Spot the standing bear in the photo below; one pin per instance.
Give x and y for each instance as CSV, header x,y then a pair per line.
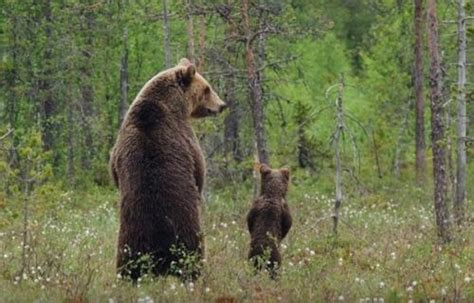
x,y
269,219
159,168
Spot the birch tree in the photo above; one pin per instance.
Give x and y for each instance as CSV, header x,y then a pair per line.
x,y
460,196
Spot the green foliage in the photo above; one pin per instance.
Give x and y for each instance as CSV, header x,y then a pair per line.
x,y
386,247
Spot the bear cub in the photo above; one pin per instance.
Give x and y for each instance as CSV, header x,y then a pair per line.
x,y
269,220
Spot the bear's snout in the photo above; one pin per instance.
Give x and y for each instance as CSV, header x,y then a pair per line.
x,y
222,107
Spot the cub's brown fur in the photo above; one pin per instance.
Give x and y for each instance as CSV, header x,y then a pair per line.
x,y
269,220
159,168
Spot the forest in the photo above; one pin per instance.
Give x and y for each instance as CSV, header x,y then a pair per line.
x,y
368,103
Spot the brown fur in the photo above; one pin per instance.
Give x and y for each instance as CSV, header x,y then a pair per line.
x,y
159,168
269,219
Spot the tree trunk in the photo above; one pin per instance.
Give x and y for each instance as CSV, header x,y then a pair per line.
x,y
25,240
305,158
450,169
11,107
71,169
398,144
202,42
124,78
437,127
47,106
190,30
166,30
419,96
376,155
232,120
254,87
337,136
459,200
87,92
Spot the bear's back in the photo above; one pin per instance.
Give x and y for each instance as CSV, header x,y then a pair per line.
x,y
267,219
155,170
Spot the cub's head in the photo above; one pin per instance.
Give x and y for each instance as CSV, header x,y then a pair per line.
x,y
274,181
201,98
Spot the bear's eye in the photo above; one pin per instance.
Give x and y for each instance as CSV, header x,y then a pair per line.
x,y
207,90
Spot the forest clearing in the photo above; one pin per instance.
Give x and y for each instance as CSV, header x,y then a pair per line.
x,y
116,152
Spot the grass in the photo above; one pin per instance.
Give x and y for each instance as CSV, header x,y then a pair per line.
x,y
386,251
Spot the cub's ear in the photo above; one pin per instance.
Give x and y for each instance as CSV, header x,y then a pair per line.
x,y
185,75
286,173
265,169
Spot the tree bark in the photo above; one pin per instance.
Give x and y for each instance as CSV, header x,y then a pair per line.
x,y
71,168
25,241
255,87
11,108
437,128
419,96
166,30
232,120
305,156
398,144
190,30
450,169
337,136
459,200
376,155
87,91
47,106
202,42
124,78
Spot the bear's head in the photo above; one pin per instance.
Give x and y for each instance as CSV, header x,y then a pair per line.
x,y
202,100
274,181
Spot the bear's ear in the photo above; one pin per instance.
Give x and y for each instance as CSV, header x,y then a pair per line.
x,y
184,61
264,169
285,173
186,74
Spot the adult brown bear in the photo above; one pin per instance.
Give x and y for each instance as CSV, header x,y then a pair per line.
x,y
159,168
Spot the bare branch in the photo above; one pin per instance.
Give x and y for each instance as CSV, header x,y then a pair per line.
x,y
6,135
